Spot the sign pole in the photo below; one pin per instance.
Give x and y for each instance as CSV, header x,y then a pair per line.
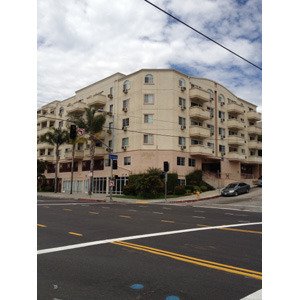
x,y
166,180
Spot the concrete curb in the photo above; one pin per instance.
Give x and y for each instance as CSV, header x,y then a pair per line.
x,y
193,200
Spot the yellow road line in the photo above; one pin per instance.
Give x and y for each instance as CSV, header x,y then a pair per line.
x,y
195,261
234,229
67,209
167,221
41,225
93,212
122,216
75,233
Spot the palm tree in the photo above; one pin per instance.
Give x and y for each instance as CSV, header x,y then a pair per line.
x,y
74,142
93,125
55,137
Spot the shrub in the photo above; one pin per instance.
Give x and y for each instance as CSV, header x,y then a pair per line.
x,y
172,182
179,190
203,188
194,178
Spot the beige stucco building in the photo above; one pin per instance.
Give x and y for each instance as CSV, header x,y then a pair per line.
x,y
157,115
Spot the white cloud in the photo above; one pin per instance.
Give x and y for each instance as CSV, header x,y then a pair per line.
x,y
80,42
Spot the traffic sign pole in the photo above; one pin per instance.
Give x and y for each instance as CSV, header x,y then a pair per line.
x,y
166,180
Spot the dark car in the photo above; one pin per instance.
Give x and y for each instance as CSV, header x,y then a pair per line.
x,y
259,181
234,189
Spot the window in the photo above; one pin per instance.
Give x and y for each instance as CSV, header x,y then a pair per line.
x,y
149,99
125,142
51,124
61,111
212,129
222,148
181,82
211,112
80,146
126,85
50,152
192,162
149,79
125,122
182,102
196,123
243,151
211,93
60,124
181,181
210,145
111,90
181,141
125,103
148,139
222,132
221,114
111,107
110,144
181,121
110,125
148,118
180,161
107,162
127,161
196,142
52,111
233,149
221,99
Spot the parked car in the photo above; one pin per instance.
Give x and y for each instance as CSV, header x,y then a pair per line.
x,y
259,181
234,189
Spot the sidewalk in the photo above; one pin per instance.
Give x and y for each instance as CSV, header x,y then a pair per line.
x,y
105,198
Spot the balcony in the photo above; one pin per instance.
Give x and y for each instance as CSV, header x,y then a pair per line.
x,y
96,101
254,145
235,124
234,156
253,115
76,109
254,159
42,131
235,140
78,155
47,157
199,113
201,150
201,95
235,108
44,146
254,129
200,132
99,152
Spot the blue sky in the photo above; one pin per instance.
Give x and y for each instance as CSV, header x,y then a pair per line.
x,y
80,42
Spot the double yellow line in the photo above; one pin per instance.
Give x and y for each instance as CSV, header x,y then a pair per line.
x,y
194,261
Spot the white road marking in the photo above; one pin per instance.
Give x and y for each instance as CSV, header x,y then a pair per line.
x,y
235,209
135,237
132,210
157,212
255,296
167,208
198,217
201,211
105,207
229,214
243,221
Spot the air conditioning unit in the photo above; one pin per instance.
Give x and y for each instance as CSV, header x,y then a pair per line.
x,y
222,103
182,147
183,127
211,116
124,147
125,91
183,107
211,134
222,120
124,128
211,98
183,88
109,131
110,96
125,109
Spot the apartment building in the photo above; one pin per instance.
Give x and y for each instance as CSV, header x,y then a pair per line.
x,y
157,115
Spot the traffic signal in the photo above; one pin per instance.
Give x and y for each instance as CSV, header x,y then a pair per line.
x,y
166,166
73,132
115,164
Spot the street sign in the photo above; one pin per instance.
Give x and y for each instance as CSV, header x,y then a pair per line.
x,y
111,183
113,156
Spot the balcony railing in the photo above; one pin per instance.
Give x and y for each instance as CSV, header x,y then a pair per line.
x,y
96,101
235,108
47,157
234,123
99,152
253,115
199,113
200,95
234,156
76,108
254,145
254,129
235,140
201,150
198,131
254,159
44,146
78,154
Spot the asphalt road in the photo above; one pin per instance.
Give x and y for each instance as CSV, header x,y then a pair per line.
x,y
202,263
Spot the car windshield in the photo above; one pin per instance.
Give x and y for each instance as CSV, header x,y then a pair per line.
x,y
231,185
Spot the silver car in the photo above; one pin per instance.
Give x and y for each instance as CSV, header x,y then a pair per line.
x,y
234,189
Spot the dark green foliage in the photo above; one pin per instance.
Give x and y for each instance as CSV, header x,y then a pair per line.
x,y
194,178
41,168
179,190
172,182
55,136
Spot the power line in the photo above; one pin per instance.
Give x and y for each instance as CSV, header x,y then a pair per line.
x,y
203,35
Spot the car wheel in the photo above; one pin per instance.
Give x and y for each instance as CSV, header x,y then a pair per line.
x,y
248,190
235,193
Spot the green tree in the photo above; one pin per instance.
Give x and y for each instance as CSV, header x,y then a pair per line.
x,y
41,168
55,137
92,123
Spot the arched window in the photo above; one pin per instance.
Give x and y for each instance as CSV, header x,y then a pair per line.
x,y
211,94
61,111
149,79
126,85
221,99
181,82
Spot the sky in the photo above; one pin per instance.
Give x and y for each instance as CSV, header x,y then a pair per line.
x,y
82,41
